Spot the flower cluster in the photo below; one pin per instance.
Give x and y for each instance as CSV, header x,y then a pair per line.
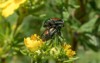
x,y
33,43
44,51
69,52
10,6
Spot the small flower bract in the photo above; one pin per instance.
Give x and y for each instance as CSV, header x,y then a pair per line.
x,y
33,43
10,6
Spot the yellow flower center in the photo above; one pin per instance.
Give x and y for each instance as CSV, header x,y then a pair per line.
x,y
17,1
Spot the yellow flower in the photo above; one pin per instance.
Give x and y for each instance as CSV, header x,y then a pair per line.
x,y
66,46
1,51
10,6
33,43
69,52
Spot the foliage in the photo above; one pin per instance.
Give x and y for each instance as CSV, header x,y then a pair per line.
x,y
81,24
44,51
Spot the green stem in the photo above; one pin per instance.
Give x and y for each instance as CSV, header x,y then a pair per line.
x,y
31,60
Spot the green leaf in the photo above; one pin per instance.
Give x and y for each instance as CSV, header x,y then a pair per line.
x,y
24,52
87,27
90,42
71,59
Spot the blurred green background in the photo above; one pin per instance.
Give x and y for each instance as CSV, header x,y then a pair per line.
x,y
81,28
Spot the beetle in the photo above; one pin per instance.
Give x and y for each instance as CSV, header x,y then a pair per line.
x,y
52,26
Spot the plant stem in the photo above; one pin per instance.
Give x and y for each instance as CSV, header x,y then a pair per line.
x,y
31,60
3,60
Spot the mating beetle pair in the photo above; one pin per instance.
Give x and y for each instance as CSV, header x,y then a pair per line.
x,y
52,26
